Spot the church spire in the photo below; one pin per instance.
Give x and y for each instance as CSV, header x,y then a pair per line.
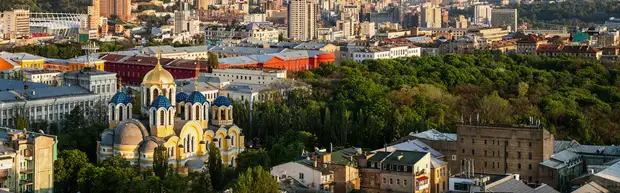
x,y
197,72
120,84
158,66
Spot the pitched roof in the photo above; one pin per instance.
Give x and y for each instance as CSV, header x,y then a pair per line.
x,y
591,187
404,157
379,156
511,185
559,145
612,173
413,145
435,135
544,188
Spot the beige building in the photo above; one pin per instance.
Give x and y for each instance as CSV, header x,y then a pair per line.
x,y
368,29
399,171
302,20
482,15
27,161
504,17
120,8
16,22
461,22
431,16
491,34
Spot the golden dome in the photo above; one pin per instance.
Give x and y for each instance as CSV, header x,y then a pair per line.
x,y
158,76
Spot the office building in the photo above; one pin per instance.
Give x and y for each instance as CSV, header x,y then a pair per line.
x,y
16,22
504,18
27,160
120,8
431,17
302,20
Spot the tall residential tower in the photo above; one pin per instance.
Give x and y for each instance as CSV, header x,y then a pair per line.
x,y
302,19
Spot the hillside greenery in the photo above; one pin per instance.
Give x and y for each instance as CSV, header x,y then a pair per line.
x,y
375,102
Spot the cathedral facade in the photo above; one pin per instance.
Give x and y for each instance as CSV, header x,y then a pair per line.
x,y
183,123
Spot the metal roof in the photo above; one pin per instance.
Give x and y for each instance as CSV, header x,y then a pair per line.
x,y
413,145
612,173
435,135
559,145
404,157
544,188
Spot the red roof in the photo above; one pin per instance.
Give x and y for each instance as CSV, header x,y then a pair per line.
x,y
422,178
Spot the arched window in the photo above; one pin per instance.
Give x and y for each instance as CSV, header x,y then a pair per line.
x,y
193,146
155,117
155,94
162,117
232,140
197,112
147,97
112,110
120,113
206,112
219,142
189,114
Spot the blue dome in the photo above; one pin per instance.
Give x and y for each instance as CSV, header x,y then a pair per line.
x,y
196,97
120,98
161,101
181,97
222,101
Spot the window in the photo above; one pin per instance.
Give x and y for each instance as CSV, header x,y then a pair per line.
x,y
473,152
519,143
530,144
519,155
530,166
301,176
519,166
383,180
473,140
463,150
397,181
404,182
391,181
529,155
529,179
485,152
485,164
485,141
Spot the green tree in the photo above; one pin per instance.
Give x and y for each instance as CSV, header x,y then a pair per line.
x,y
253,158
67,168
160,162
212,60
216,168
255,180
200,182
19,122
495,110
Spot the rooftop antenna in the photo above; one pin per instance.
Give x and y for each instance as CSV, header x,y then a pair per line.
x,y
90,49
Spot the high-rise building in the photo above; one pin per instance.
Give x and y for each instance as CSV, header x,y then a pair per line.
x,y
302,19
120,8
93,15
367,29
504,17
186,20
461,22
430,16
16,22
202,5
482,15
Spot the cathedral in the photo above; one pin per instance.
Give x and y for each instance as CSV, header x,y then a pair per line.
x,y
180,122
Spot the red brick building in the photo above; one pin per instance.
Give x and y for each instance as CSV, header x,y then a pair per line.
x,y
133,68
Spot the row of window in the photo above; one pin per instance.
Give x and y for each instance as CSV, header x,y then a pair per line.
x,y
495,142
506,154
397,181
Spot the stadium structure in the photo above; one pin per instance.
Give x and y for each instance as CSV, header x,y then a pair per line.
x,y
64,25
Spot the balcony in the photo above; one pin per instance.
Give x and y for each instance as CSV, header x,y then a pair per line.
x,y
421,187
25,171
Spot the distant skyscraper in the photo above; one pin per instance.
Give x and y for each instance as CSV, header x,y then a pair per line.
x,y
120,8
430,16
504,17
461,22
482,15
302,19
94,15
186,20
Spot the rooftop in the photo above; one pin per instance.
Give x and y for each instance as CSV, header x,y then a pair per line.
x,y
435,135
401,157
413,145
612,173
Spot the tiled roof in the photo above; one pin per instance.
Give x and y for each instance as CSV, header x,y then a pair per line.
x,y
120,98
181,96
196,97
161,102
222,101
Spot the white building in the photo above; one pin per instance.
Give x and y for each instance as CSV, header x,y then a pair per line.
x,y
250,76
304,171
264,34
386,52
46,76
43,102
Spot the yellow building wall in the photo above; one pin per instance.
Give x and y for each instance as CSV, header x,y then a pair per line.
x,y
32,63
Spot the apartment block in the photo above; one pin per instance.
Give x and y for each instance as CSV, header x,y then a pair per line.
x,y
302,20
504,17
